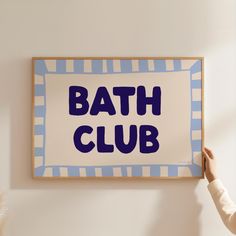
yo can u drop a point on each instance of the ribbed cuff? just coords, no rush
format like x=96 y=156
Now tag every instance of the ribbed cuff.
x=215 y=186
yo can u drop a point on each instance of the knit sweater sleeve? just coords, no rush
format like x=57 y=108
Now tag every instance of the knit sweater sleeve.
x=225 y=206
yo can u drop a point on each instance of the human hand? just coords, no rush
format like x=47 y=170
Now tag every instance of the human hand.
x=210 y=164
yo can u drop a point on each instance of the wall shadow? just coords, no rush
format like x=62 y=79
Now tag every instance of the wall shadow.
x=177 y=211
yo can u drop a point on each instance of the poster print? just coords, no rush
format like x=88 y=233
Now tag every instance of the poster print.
x=117 y=117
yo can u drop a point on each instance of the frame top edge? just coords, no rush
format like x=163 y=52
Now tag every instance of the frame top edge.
x=121 y=57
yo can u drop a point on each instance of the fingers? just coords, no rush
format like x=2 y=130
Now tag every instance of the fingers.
x=208 y=152
x=205 y=155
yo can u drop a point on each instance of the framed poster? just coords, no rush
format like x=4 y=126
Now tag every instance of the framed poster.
x=117 y=117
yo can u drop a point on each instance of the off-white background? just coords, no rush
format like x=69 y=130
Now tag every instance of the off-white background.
x=61 y=126
x=114 y=28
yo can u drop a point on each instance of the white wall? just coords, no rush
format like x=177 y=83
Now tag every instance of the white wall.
x=114 y=28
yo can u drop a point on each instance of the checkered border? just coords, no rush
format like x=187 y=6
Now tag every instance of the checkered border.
x=43 y=66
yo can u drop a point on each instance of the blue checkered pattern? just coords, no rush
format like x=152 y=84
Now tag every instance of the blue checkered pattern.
x=110 y=66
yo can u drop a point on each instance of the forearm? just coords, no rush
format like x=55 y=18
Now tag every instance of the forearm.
x=225 y=206
x=3 y=210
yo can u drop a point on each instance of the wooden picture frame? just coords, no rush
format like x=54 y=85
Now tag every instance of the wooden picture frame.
x=51 y=75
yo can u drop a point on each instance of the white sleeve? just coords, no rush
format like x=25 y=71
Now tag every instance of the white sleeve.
x=3 y=210
x=225 y=206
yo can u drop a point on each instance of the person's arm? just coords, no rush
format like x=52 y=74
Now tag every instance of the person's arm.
x=3 y=210
x=225 y=206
